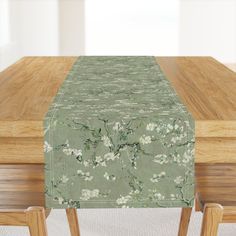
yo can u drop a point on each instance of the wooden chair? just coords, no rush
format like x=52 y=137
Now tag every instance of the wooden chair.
x=35 y=219
x=73 y=221
x=213 y=215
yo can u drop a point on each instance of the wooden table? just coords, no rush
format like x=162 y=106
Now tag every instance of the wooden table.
x=27 y=88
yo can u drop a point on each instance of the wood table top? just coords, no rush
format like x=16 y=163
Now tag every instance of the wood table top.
x=206 y=87
x=27 y=88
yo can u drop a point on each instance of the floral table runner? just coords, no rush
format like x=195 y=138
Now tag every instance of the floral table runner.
x=117 y=135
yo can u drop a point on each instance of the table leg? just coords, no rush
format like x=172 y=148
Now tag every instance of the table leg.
x=184 y=221
x=73 y=221
x=36 y=221
x=212 y=216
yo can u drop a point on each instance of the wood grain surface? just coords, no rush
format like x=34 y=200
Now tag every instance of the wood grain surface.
x=21 y=150
x=184 y=221
x=33 y=217
x=204 y=85
x=216 y=183
x=212 y=217
x=26 y=90
x=28 y=87
x=72 y=218
x=21 y=186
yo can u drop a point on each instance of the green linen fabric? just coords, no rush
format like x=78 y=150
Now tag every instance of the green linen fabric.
x=117 y=135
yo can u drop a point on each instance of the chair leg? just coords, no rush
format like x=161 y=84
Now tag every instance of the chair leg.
x=184 y=221
x=212 y=216
x=198 y=204
x=73 y=221
x=47 y=212
x=36 y=221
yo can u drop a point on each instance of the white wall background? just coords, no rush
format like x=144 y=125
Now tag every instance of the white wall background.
x=133 y=27
x=32 y=27
x=71 y=27
x=117 y=27
x=208 y=27
x=4 y=18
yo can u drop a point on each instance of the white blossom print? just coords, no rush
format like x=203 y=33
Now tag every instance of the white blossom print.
x=118 y=136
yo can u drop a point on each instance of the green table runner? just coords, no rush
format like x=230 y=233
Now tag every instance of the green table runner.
x=117 y=135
